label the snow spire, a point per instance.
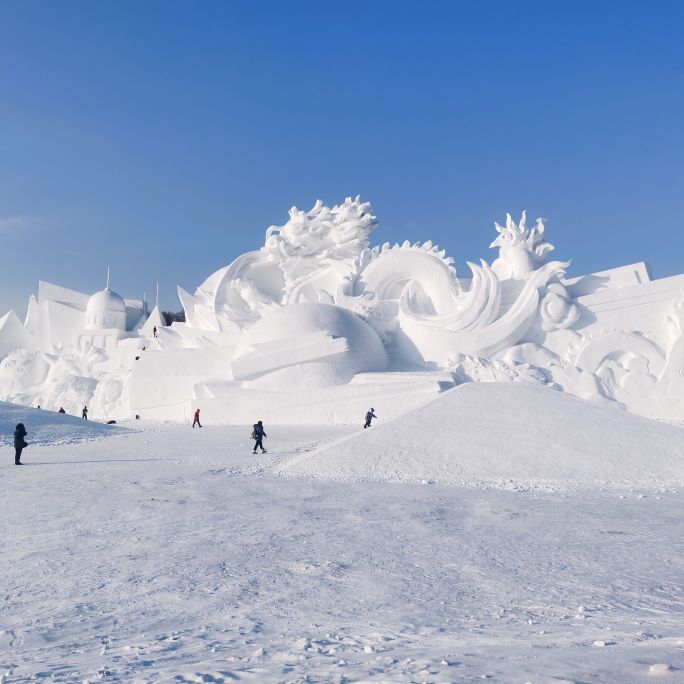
(107, 278)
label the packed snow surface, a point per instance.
(167, 554)
(507, 435)
(50, 427)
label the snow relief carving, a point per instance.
(317, 323)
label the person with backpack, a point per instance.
(258, 435)
(19, 442)
(84, 413)
(369, 416)
(196, 419)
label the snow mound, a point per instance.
(49, 427)
(507, 435)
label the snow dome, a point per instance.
(308, 345)
(106, 309)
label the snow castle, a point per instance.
(318, 324)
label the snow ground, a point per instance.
(175, 555)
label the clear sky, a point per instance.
(162, 137)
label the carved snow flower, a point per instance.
(557, 310)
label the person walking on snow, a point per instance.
(369, 416)
(258, 435)
(84, 413)
(196, 419)
(19, 443)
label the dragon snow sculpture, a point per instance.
(409, 293)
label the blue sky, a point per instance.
(162, 138)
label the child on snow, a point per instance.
(369, 417)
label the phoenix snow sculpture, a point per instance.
(317, 323)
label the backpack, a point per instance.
(253, 435)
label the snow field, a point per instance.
(175, 555)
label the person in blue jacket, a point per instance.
(258, 435)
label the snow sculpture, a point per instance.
(408, 293)
(74, 350)
(303, 261)
(318, 324)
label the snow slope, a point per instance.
(49, 427)
(508, 435)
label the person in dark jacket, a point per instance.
(84, 413)
(196, 419)
(258, 435)
(19, 443)
(369, 416)
(61, 410)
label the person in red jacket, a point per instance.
(196, 419)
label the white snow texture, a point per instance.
(170, 554)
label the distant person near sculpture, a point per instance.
(197, 420)
(258, 435)
(84, 413)
(154, 331)
(369, 417)
(61, 410)
(19, 442)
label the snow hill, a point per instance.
(507, 435)
(49, 427)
